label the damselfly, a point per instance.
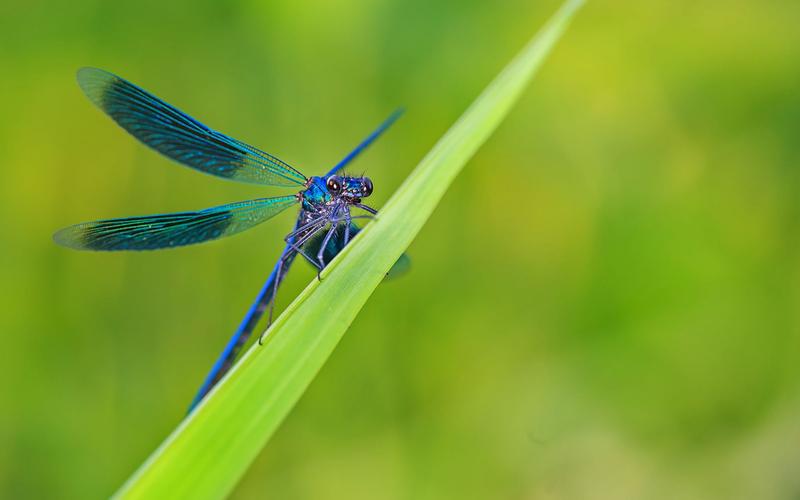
(324, 224)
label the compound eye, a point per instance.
(334, 184)
(366, 187)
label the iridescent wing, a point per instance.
(150, 232)
(180, 137)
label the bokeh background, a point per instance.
(605, 304)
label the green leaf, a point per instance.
(210, 450)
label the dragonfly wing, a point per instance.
(400, 267)
(151, 232)
(180, 137)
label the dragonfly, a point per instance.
(324, 225)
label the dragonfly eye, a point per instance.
(366, 187)
(334, 184)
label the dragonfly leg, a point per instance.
(281, 262)
(353, 217)
(321, 252)
(304, 227)
(294, 248)
(348, 220)
(366, 208)
(297, 245)
(307, 257)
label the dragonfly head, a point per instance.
(350, 189)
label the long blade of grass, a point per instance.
(208, 453)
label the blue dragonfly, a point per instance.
(324, 223)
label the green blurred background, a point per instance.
(605, 304)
